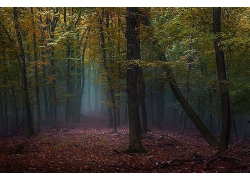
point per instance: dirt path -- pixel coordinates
(92, 147)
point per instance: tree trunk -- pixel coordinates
(53, 73)
(142, 104)
(1, 115)
(210, 139)
(39, 115)
(69, 77)
(44, 80)
(220, 62)
(68, 101)
(125, 114)
(152, 107)
(133, 53)
(81, 77)
(160, 105)
(89, 85)
(15, 119)
(111, 89)
(31, 131)
(184, 125)
(211, 120)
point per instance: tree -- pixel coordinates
(31, 131)
(220, 62)
(69, 76)
(39, 115)
(133, 53)
(107, 70)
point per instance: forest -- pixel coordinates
(116, 89)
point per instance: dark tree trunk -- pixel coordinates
(133, 53)
(96, 107)
(88, 90)
(53, 73)
(211, 120)
(44, 81)
(142, 104)
(210, 139)
(68, 101)
(81, 77)
(15, 109)
(1, 114)
(184, 125)
(118, 113)
(187, 97)
(31, 131)
(125, 114)
(160, 105)
(3, 96)
(69, 77)
(152, 107)
(111, 89)
(220, 62)
(39, 115)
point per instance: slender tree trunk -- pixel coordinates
(1, 114)
(69, 77)
(96, 88)
(39, 115)
(6, 129)
(125, 114)
(68, 102)
(211, 120)
(81, 77)
(184, 125)
(3, 96)
(53, 73)
(220, 62)
(234, 127)
(111, 89)
(133, 53)
(152, 107)
(31, 131)
(89, 85)
(160, 105)
(187, 97)
(15, 109)
(118, 113)
(44, 80)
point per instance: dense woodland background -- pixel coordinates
(60, 64)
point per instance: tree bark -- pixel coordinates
(111, 89)
(210, 139)
(44, 80)
(133, 53)
(31, 131)
(53, 73)
(39, 115)
(82, 82)
(69, 77)
(88, 90)
(142, 104)
(222, 77)
(15, 119)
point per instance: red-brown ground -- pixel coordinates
(92, 147)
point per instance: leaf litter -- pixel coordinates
(92, 147)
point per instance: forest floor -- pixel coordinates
(92, 147)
